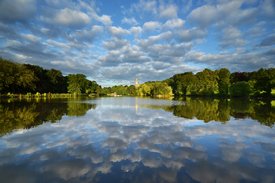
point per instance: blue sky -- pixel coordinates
(114, 42)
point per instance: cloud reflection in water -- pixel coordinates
(118, 142)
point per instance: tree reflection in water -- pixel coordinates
(221, 110)
(28, 114)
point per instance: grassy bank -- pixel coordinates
(44, 95)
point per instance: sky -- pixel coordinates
(115, 41)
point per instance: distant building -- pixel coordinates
(136, 83)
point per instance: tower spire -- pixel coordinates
(136, 82)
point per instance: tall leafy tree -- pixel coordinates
(77, 83)
(181, 83)
(42, 83)
(25, 79)
(223, 81)
(207, 83)
(161, 88)
(57, 81)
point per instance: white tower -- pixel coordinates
(136, 83)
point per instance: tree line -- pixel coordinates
(23, 78)
(223, 83)
(217, 83)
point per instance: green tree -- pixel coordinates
(240, 89)
(223, 81)
(161, 89)
(181, 84)
(77, 83)
(57, 82)
(92, 88)
(263, 83)
(131, 90)
(206, 83)
(144, 89)
(15, 77)
(42, 82)
(239, 76)
(7, 75)
(25, 79)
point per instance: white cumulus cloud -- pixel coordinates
(168, 11)
(69, 17)
(118, 31)
(151, 25)
(174, 23)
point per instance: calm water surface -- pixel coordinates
(137, 140)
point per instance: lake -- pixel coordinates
(127, 139)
